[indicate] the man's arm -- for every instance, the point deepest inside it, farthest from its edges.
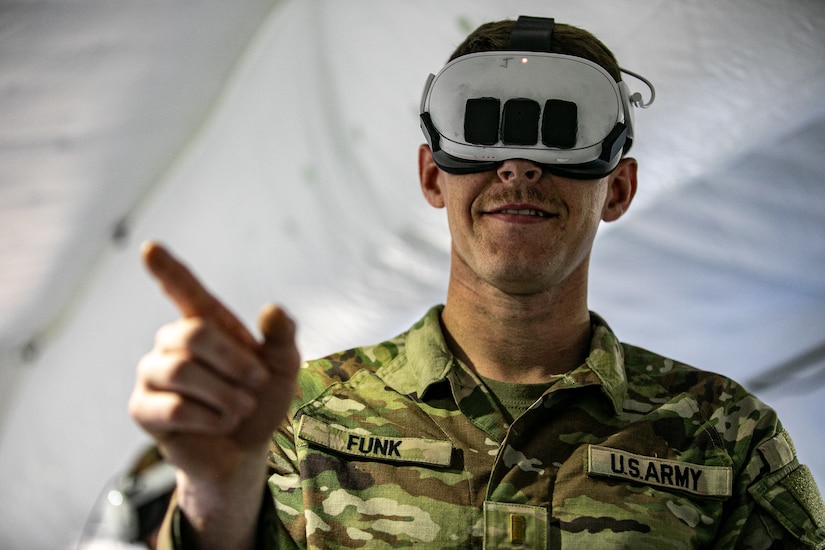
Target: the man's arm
(776, 501)
(211, 395)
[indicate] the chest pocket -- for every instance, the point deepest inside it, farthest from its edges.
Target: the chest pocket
(385, 490)
(612, 498)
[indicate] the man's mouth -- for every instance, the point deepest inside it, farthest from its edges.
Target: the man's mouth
(522, 212)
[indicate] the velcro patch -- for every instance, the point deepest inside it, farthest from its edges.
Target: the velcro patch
(364, 445)
(698, 479)
(778, 451)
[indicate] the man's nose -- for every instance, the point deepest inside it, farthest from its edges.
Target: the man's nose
(513, 170)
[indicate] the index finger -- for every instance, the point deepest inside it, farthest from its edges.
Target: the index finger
(190, 296)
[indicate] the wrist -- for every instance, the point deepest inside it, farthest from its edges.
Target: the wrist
(223, 513)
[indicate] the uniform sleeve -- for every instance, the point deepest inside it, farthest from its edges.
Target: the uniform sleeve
(782, 507)
(172, 533)
(286, 521)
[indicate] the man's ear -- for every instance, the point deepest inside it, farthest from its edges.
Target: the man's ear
(621, 189)
(429, 176)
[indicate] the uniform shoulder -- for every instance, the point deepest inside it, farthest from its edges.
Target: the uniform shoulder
(678, 377)
(768, 483)
(318, 374)
(715, 401)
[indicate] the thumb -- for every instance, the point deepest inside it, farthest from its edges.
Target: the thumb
(278, 331)
(275, 325)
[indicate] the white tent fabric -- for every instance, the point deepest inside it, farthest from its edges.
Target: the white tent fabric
(300, 187)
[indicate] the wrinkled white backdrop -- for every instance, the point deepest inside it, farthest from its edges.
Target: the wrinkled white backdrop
(301, 188)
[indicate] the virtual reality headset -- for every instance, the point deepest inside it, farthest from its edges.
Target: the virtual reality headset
(562, 112)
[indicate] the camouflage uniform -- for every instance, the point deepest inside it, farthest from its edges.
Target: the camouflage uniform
(400, 444)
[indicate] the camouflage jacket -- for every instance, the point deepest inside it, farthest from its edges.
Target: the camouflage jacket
(399, 444)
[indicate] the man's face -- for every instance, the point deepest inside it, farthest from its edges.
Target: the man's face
(519, 228)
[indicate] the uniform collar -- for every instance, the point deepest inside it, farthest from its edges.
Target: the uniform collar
(427, 361)
(606, 361)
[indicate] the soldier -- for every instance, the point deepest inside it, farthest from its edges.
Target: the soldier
(509, 417)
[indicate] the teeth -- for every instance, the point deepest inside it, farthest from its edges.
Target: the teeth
(525, 212)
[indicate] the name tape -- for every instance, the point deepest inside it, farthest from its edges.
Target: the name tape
(709, 481)
(357, 443)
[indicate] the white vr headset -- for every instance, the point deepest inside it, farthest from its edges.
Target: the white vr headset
(563, 112)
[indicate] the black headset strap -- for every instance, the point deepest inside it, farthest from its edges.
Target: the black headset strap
(532, 34)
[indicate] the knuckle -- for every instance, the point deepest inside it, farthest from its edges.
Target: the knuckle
(230, 401)
(176, 410)
(166, 334)
(250, 373)
(144, 362)
(242, 402)
(146, 366)
(135, 406)
(163, 370)
(192, 332)
(228, 423)
(178, 369)
(180, 334)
